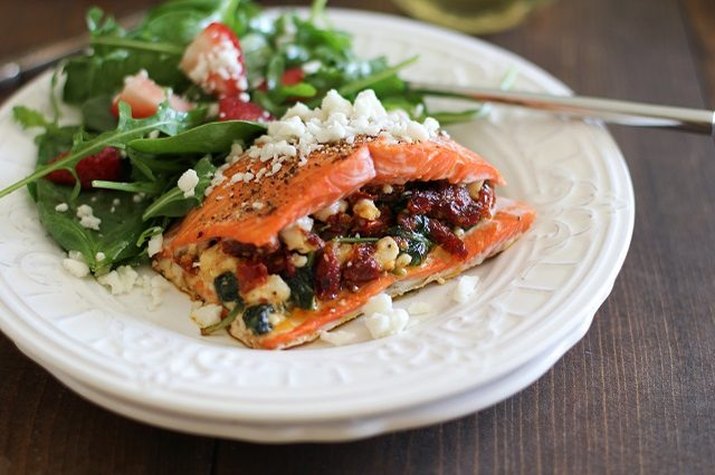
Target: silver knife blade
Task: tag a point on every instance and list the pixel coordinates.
(628, 113)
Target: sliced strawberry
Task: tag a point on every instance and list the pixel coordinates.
(105, 165)
(214, 61)
(144, 97)
(233, 108)
(290, 77)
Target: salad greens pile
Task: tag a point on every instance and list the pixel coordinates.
(147, 199)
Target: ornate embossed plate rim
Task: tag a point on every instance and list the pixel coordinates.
(614, 247)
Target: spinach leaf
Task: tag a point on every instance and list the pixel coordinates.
(208, 138)
(226, 287)
(257, 320)
(173, 204)
(118, 233)
(90, 76)
(97, 114)
(302, 292)
(418, 245)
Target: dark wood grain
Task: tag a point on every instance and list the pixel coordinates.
(634, 396)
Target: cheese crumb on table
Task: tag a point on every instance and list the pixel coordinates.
(465, 288)
(381, 319)
(385, 324)
(75, 264)
(206, 315)
(120, 281)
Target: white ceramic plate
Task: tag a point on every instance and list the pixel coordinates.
(534, 301)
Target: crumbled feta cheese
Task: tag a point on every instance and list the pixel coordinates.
(139, 197)
(475, 189)
(466, 287)
(337, 337)
(403, 260)
(336, 207)
(116, 202)
(100, 256)
(366, 209)
(298, 260)
(222, 61)
(156, 242)
(62, 207)
(120, 280)
(385, 324)
(157, 286)
(312, 67)
(187, 182)
(154, 134)
(87, 219)
(274, 291)
(302, 130)
(295, 236)
(206, 315)
(380, 303)
(386, 252)
(75, 264)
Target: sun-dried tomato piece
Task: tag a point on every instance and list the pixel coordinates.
(247, 251)
(361, 267)
(451, 204)
(338, 224)
(327, 273)
(375, 227)
(251, 275)
(444, 236)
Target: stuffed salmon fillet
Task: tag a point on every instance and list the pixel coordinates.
(330, 208)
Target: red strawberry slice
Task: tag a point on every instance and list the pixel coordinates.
(290, 77)
(105, 165)
(144, 97)
(233, 108)
(214, 60)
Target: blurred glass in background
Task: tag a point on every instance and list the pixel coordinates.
(471, 16)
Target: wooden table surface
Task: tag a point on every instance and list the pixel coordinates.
(636, 395)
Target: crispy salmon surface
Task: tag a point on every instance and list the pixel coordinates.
(438, 159)
(253, 212)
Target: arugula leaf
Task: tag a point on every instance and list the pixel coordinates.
(29, 118)
(166, 120)
(213, 137)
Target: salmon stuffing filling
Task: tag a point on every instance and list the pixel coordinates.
(378, 230)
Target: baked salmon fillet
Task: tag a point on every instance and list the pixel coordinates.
(297, 235)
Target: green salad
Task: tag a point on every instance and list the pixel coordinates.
(149, 114)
